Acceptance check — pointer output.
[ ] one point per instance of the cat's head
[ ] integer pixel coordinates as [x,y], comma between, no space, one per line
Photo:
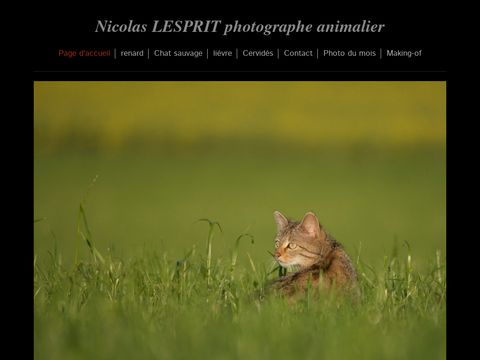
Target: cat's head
[301,244]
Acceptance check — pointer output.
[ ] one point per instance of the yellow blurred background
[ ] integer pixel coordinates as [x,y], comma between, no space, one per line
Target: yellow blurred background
[110,115]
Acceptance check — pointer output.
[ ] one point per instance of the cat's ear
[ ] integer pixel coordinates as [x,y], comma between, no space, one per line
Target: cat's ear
[281,220]
[310,224]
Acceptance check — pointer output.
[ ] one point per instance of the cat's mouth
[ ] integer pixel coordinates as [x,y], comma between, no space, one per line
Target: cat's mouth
[291,266]
[284,263]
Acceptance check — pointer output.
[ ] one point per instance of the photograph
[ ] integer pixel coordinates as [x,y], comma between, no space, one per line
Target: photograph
[239,219]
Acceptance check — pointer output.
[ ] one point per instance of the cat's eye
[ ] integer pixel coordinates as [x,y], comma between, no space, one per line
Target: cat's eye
[292,246]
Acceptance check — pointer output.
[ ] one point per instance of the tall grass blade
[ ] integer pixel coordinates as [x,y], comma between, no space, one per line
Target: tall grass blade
[211,229]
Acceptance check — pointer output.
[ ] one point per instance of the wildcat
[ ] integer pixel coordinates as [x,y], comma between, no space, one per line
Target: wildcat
[319,258]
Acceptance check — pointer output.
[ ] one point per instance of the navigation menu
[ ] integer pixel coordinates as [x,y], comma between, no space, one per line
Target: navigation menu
[281,54]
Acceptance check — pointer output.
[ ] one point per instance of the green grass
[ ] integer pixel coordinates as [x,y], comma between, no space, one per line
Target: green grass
[156,307]
[153,281]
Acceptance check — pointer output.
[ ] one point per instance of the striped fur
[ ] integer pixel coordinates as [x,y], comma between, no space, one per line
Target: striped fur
[320,259]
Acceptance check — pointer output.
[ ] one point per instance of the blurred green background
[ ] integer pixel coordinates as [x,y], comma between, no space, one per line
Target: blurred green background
[367,157]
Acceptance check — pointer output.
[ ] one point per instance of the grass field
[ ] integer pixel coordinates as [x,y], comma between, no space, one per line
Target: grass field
[124,172]
[144,302]
[154,308]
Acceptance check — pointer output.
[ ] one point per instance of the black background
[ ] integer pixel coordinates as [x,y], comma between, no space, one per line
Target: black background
[412,33]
